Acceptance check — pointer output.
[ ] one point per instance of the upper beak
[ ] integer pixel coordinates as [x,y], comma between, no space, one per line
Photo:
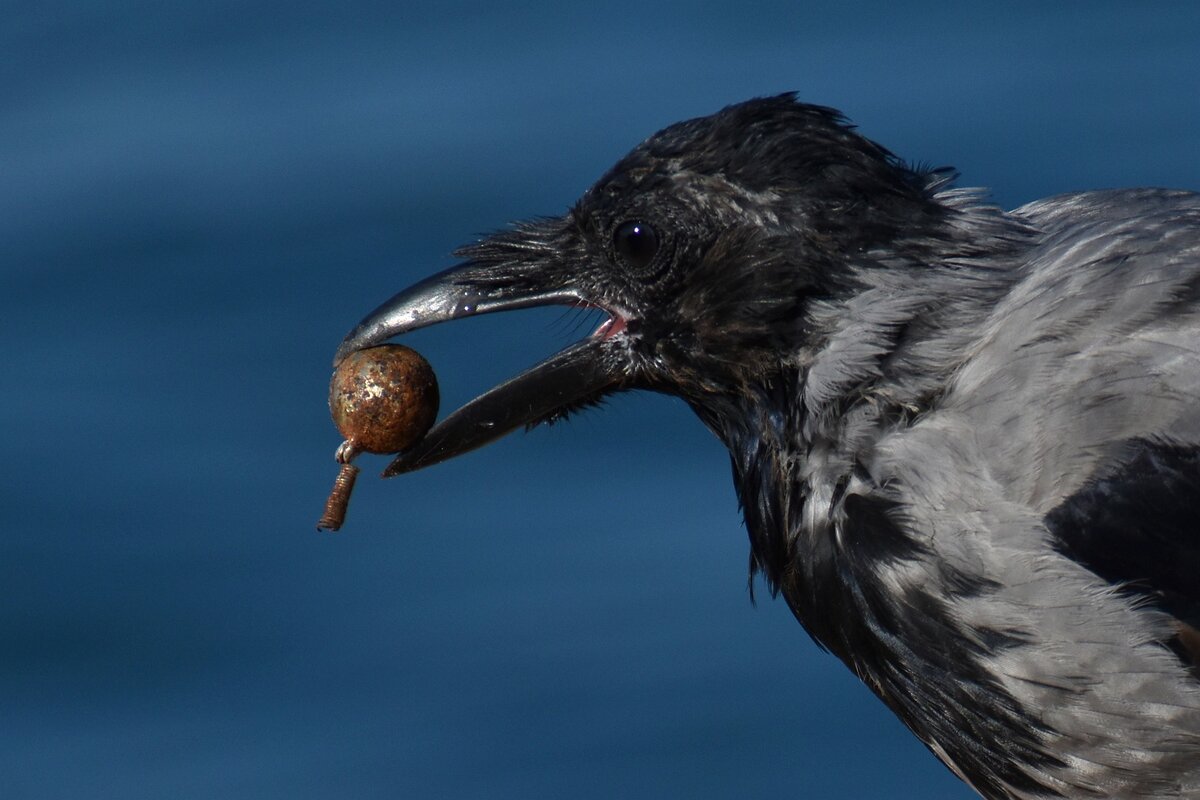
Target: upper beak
[576,374]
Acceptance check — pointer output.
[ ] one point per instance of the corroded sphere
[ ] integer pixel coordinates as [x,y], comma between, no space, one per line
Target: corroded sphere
[383,399]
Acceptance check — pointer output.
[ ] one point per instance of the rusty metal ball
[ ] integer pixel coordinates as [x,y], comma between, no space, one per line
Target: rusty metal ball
[383,399]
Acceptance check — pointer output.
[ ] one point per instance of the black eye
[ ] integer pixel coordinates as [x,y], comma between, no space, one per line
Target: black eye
[636,243]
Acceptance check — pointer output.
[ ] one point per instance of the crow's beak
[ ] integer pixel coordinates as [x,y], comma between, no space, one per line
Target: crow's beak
[574,376]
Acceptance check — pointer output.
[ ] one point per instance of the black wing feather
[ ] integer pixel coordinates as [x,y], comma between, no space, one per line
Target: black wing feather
[1138,527]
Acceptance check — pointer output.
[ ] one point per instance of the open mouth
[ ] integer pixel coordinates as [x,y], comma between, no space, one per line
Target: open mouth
[612,326]
[572,377]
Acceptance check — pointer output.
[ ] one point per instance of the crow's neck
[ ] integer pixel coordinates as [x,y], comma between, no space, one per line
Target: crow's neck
[799,442]
[906,319]
[875,356]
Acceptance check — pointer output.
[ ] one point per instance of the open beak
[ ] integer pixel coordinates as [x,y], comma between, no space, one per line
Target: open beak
[572,377]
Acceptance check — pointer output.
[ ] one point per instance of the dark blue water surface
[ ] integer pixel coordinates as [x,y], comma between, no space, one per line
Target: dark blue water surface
[198,199]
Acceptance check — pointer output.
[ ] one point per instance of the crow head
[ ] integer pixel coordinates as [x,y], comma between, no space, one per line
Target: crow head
[712,248]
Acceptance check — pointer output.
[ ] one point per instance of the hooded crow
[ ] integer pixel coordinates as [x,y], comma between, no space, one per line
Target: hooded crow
[965,441]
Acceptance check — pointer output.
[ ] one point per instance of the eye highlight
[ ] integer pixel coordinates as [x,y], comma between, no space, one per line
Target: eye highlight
[636,243]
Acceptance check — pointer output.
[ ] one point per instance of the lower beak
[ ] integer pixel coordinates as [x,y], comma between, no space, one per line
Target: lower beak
[572,377]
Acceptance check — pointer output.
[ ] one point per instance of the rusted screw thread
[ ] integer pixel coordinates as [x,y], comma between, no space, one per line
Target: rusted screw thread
[339,499]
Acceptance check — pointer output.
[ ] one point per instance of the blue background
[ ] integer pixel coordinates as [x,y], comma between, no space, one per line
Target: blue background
[198,200]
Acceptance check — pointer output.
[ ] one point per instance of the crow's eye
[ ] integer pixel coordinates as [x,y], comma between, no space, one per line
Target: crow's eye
[636,243]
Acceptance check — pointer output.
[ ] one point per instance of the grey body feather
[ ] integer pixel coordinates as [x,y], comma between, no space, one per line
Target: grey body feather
[1093,344]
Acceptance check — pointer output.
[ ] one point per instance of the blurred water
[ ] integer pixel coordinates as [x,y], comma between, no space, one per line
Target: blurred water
[197,200]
